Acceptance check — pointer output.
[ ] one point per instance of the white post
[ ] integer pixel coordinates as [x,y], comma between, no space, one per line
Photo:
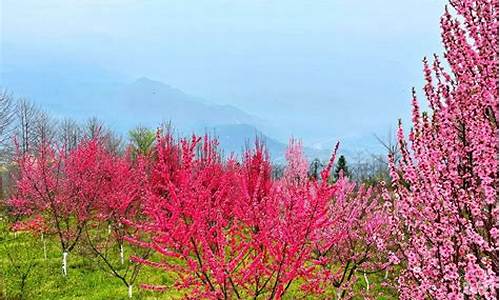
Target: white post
[65,263]
[367,282]
[109,229]
[386,274]
[130,291]
[121,254]
[44,248]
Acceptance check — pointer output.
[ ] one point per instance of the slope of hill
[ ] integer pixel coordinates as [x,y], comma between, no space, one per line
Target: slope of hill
[234,138]
[152,102]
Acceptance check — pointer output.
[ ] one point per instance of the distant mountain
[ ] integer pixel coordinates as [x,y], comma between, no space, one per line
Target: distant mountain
[122,105]
[355,146]
[234,138]
[151,102]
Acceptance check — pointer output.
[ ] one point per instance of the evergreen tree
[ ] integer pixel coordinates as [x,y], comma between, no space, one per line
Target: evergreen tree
[341,166]
[315,169]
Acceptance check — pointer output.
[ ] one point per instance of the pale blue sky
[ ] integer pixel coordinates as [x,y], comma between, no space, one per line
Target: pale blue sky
[318,69]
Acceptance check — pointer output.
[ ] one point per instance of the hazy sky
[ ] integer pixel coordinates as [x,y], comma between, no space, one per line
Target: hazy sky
[318,69]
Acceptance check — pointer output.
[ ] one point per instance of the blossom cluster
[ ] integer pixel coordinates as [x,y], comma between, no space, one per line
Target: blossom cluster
[446,182]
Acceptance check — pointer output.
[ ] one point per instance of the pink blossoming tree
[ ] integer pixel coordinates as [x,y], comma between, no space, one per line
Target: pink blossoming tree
[225,228]
[64,187]
[362,227]
[446,182]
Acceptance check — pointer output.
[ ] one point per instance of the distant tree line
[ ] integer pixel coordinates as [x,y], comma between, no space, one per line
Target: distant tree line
[24,126]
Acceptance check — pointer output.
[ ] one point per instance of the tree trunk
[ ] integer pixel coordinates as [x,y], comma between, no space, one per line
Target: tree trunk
[65,263]
[122,260]
[44,248]
[130,291]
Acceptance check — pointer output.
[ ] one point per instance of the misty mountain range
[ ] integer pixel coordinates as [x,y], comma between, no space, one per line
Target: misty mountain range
[149,103]
[160,102]
[163,103]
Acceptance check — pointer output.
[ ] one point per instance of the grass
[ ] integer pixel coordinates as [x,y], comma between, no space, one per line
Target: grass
[26,274]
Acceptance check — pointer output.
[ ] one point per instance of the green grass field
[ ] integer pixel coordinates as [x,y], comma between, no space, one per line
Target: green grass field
[25,273]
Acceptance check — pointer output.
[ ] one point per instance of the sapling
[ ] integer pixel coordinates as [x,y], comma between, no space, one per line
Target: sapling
[53,183]
[118,205]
